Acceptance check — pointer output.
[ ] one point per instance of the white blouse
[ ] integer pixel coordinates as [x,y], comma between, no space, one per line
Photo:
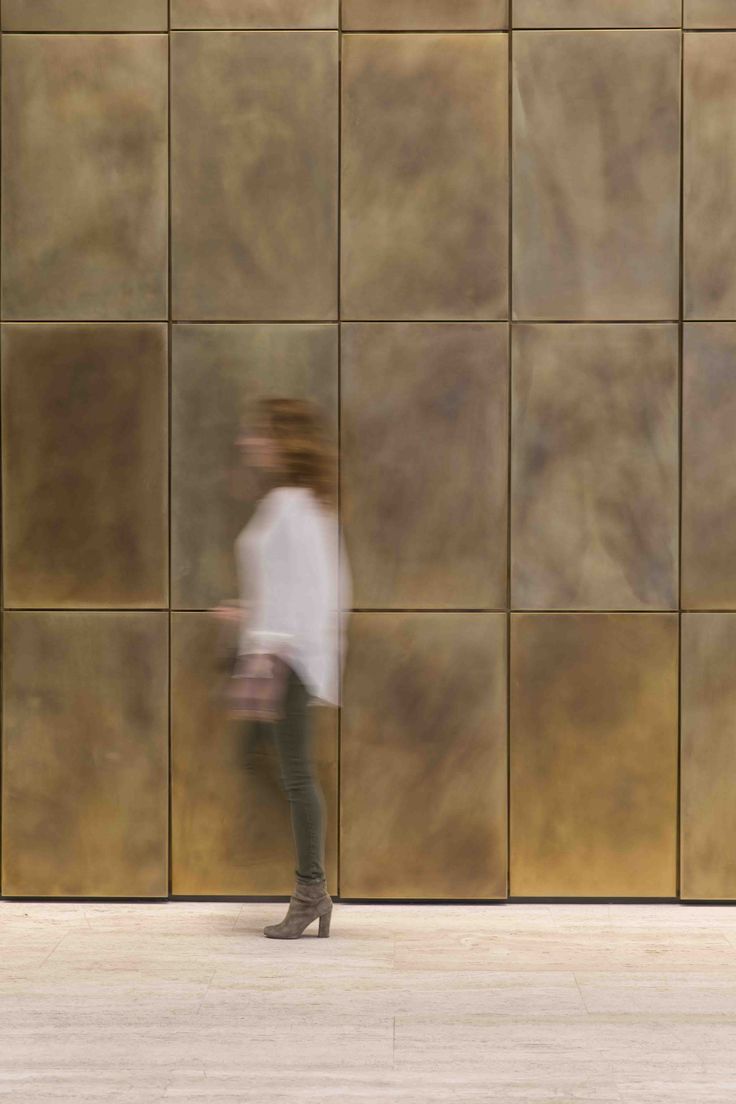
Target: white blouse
[296,585]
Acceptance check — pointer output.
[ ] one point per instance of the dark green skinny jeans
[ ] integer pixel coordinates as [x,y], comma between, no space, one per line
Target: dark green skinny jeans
[293,736]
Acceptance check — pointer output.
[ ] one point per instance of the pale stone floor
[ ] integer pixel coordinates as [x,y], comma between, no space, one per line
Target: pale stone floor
[428,1004]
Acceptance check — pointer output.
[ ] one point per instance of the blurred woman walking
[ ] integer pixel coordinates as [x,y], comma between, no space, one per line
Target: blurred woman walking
[295,590]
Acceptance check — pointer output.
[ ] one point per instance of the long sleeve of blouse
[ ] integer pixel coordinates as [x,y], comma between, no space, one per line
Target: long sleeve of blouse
[270,561]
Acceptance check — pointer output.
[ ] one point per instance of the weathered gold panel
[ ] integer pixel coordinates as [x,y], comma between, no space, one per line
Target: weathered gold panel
[709,466]
[597,13]
[234,14]
[216,371]
[594,467]
[254,175]
[423,756]
[596,175]
[85,755]
[710,14]
[85,484]
[84,177]
[708,756]
[593,754]
[84,15]
[231,830]
[709,174]
[424,474]
[424,226]
[424,15]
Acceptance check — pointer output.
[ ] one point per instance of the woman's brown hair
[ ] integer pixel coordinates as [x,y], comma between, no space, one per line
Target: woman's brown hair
[307,457]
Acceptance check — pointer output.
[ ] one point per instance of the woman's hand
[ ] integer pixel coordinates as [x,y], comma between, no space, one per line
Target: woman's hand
[255,665]
[229,612]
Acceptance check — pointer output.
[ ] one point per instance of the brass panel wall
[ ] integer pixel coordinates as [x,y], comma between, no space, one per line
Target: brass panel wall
[709,466]
[710,171]
[266,129]
[596,175]
[423,756]
[711,14]
[593,754]
[425,527]
[424,193]
[206,200]
[85,450]
[594,468]
[243,14]
[419,15]
[230,828]
[216,371]
[84,15]
[85,754]
[708,810]
[597,13]
[84,177]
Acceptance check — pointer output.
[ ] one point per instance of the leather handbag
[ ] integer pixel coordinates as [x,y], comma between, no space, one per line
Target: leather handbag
[251,695]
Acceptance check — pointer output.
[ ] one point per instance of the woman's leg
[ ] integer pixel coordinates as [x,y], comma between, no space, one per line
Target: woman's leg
[293,736]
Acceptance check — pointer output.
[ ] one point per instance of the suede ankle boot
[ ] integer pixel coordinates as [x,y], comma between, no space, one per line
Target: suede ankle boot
[309,901]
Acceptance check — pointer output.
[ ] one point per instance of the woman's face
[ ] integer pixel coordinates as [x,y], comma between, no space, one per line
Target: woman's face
[258,447]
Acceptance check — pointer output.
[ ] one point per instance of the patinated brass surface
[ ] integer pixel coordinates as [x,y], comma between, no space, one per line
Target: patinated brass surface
[424,440]
[235,14]
[85,465]
[596,178]
[85,754]
[424,199]
[430,15]
[597,13]
[709,171]
[710,14]
[593,754]
[594,467]
[84,176]
[266,130]
[709,466]
[84,15]
[708,756]
[423,757]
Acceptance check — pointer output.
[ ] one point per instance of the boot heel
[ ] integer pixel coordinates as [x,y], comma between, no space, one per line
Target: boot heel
[324,924]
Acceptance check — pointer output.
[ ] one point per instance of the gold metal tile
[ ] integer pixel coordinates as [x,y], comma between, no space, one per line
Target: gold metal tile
[234,14]
[231,831]
[596,175]
[710,14]
[709,173]
[423,756]
[84,15]
[85,454]
[597,13]
[85,755]
[424,472]
[709,466]
[216,371]
[424,226]
[593,754]
[708,756]
[254,175]
[594,467]
[424,15]
[84,177]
